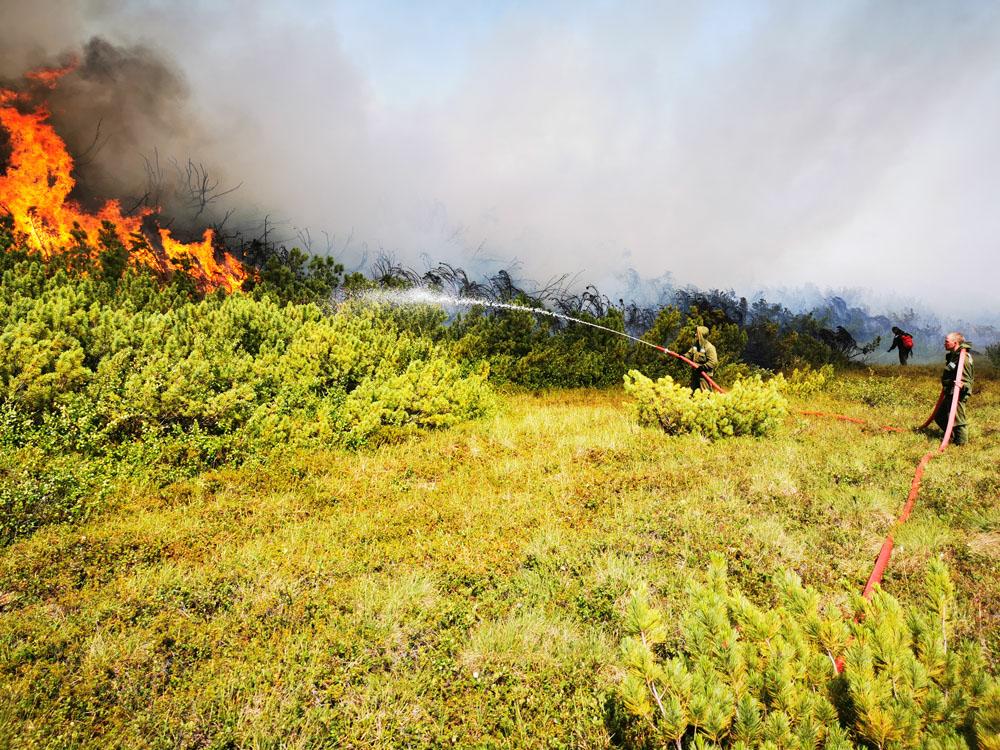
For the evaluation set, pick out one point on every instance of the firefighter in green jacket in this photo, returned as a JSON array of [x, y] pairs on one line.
[[703, 354], [954, 343]]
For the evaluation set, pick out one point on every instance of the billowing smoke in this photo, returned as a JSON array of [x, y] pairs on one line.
[[117, 110], [34, 32], [734, 144], [125, 113]]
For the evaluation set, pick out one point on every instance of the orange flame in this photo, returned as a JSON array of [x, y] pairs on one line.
[[49, 77], [35, 190]]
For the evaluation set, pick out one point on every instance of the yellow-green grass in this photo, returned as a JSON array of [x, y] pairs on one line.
[[465, 588]]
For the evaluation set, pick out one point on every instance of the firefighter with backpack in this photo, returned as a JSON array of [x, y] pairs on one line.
[[903, 342]]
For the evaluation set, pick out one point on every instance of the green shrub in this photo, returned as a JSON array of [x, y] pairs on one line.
[[733, 372], [294, 276], [746, 676], [38, 365], [804, 382], [429, 394], [36, 490], [993, 354], [115, 365], [536, 351], [215, 365], [751, 407]]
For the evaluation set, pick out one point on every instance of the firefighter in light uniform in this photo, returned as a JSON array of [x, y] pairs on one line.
[[954, 343], [703, 354]]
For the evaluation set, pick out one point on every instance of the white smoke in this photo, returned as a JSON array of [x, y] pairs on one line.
[[731, 144]]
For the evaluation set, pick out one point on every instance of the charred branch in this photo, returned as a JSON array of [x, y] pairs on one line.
[[387, 272], [198, 188], [90, 152]]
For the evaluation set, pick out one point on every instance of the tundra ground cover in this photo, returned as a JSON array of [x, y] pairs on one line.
[[465, 587]]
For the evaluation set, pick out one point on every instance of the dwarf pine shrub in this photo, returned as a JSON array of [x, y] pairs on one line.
[[751, 407], [126, 367], [537, 352], [747, 676], [805, 381], [429, 394], [214, 363]]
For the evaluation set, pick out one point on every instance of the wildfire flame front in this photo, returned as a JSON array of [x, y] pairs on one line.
[[35, 190]]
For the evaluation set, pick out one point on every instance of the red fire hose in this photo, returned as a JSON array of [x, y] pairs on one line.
[[934, 410], [693, 364], [855, 420], [882, 561]]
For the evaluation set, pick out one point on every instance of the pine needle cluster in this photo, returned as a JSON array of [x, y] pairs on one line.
[[804, 381], [749, 677], [751, 407]]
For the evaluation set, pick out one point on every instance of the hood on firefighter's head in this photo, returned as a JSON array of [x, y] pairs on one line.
[[701, 332]]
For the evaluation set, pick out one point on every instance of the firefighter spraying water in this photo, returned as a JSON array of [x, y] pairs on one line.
[[424, 296], [705, 359], [949, 411]]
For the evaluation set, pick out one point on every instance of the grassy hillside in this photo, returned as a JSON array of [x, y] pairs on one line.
[[465, 587]]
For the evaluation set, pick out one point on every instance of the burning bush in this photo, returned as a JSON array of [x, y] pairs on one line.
[[752, 407], [38, 182]]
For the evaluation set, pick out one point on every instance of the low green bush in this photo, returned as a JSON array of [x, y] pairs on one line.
[[805, 381], [536, 351], [429, 394], [156, 378], [751, 407], [36, 490], [746, 676], [212, 362], [993, 354]]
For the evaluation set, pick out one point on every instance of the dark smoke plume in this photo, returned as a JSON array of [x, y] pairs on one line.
[[124, 114], [120, 103]]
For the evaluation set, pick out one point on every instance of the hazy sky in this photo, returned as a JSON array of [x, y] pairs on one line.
[[733, 144]]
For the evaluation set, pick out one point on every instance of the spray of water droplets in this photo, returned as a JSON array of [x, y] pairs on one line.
[[417, 296]]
